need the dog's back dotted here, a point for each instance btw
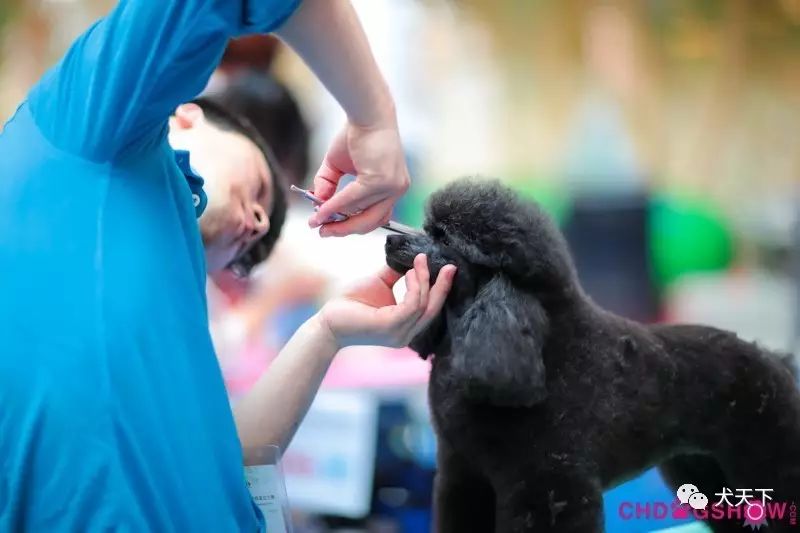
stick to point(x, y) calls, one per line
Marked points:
point(735, 381)
point(740, 410)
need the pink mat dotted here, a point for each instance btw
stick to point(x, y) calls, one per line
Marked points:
point(371, 366)
point(354, 367)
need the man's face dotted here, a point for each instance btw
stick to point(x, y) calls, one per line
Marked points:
point(238, 184)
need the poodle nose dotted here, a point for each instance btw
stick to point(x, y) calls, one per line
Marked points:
point(394, 242)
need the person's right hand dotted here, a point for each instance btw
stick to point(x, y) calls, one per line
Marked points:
point(374, 155)
point(369, 314)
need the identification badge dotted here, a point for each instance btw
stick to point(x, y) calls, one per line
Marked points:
point(267, 488)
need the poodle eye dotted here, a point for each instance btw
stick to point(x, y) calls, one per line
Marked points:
point(439, 235)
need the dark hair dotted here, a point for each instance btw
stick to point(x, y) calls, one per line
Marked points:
point(272, 110)
point(228, 120)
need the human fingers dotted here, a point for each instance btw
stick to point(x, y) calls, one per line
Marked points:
point(410, 303)
point(326, 180)
point(389, 276)
point(350, 200)
point(368, 220)
point(423, 278)
point(438, 294)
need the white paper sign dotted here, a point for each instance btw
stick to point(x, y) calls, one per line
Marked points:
point(266, 487)
point(330, 464)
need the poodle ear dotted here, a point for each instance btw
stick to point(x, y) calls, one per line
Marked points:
point(426, 342)
point(496, 352)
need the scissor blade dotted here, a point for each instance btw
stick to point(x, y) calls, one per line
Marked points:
point(402, 229)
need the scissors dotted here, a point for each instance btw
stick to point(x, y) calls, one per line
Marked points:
point(393, 226)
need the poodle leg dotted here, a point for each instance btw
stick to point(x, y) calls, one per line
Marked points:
point(559, 499)
point(763, 454)
point(748, 465)
point(778, 472)
point(704, 472)
point(464, 501)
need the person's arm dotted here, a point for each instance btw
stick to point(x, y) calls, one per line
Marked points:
point(274, 408)
point(328, 36)
point(271, 412)
point(121, 80)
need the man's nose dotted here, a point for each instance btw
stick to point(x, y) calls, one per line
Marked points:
point(260, 221)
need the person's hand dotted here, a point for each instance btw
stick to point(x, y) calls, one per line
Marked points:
point(374, 155)
point(369, 314)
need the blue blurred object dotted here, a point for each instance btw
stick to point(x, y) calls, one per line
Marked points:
point(403, 486)
point(694, 527)
point(647, 488)
point(415, 521)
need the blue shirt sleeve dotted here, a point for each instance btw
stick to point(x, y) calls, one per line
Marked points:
point(120, 81)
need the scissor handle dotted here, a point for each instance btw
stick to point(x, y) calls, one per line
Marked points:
point(339, 217)
point(308, 195)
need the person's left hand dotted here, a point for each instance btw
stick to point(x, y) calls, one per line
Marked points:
point(369, 314)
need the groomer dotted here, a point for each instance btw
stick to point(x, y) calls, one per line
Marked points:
point(113, 414)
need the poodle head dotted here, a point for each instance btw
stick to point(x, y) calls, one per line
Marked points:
point(512, 265)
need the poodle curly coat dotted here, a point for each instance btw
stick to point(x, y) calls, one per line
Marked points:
point(541, 400)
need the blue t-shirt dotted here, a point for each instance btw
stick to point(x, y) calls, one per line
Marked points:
point(113, 412)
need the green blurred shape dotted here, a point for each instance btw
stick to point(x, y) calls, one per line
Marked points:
point(544, 192)
point(687, 235)
point(410, 209)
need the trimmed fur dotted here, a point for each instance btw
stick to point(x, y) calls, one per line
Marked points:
point(541, 400)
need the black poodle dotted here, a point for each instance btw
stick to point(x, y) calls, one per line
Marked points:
point(541, 400)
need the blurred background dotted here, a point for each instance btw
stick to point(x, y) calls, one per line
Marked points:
point(663, 135)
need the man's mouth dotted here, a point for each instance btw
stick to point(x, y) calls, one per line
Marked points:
point(242, 245)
